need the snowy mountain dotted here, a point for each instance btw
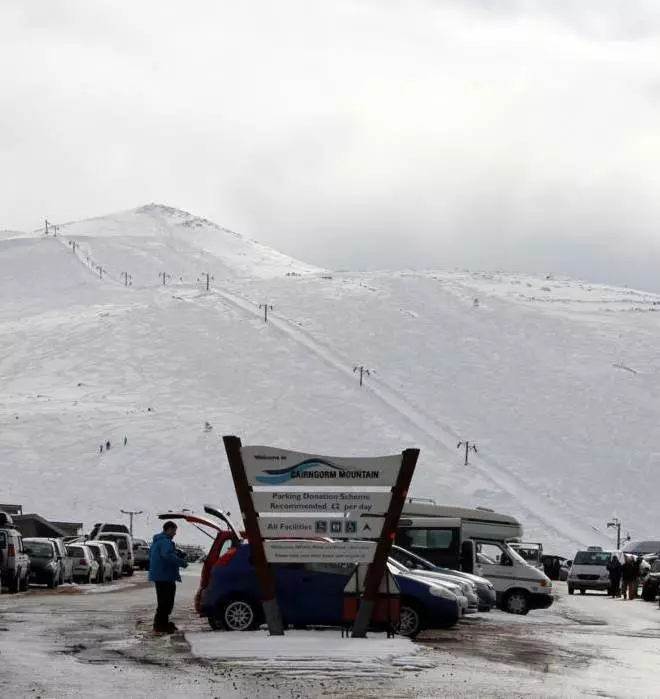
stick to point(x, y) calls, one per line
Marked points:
point(556, 381)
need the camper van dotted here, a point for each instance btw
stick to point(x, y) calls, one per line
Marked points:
point(475, 540)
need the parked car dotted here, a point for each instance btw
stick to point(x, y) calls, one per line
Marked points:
point(651, 584)
point(125, 545)
point(65, 562)
point(487, 597)
point(45, 564)
point(313, 594)
point(114, 556)
point(14, 562)
point(464, 590)
point(310, 593)
point(100, 527)
point(85, 566)
point(141, 554)
point(589, 571)
point(106, 566)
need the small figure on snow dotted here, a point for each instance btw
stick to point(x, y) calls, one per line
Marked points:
point(125, 440)
point(207, 427)
point(107, 445)
point(101, 449)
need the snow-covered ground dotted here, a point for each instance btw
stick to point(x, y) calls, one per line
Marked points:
point(54, 644)
point(555, 380)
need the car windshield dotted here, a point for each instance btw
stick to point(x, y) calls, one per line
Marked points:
point(410, 560)
point(39, 549)
point(592, 558)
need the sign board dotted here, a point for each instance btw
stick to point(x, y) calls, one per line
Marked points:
point(266, 466)
point(332, 527)
point(292, 551)
point(325, 502)
point(296, 474)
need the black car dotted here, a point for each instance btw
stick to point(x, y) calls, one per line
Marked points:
point(44, 563)
point(651, 584)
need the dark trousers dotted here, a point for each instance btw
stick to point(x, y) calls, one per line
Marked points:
point(615, 583)
point(165, 592)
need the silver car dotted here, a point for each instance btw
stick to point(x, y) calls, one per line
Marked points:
point(114, 556)
point(101, 556)
point(85, 566)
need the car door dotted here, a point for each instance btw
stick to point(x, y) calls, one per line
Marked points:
point(496, 565)
point(322, 591)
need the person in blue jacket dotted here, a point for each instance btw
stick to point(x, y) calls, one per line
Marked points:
point(164, 564)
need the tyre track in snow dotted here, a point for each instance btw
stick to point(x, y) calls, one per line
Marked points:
point(539, 509)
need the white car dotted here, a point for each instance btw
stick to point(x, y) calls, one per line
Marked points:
point(125, 545)
point(105, 570)
point(114, 556)
point(85, 566)
point(463, 589)
point(450, 587)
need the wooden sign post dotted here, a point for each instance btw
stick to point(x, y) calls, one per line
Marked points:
point(337, 527)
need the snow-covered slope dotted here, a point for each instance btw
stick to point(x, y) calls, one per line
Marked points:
point(152, 239)
point(554, 380)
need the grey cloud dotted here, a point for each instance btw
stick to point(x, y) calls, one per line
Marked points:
point(353, 134)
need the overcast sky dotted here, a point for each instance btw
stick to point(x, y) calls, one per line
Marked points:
point(349, 133)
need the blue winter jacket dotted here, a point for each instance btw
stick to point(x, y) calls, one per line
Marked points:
point(164, 564)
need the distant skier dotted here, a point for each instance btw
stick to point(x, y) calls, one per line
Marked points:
point(101, 449)
point(125, 440)
point(107, 445)
point(207, 427)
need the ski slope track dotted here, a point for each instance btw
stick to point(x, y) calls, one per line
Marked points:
point(534, 505)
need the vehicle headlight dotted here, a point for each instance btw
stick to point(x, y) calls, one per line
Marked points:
point(545, 583)
point(442, 592)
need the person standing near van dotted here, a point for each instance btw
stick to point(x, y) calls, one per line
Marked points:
point(164, 567)
point(627, 577)
point(614, 569)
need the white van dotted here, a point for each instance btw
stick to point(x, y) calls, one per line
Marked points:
point(440, 534)
point(519, 585)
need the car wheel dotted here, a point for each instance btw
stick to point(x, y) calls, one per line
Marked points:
point(571, 589)
point(240, 615)
point(516, 602)
point(13, 584)
point(410, 620)
point(583, 591)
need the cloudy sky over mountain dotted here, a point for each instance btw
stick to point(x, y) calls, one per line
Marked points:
point(349, 133)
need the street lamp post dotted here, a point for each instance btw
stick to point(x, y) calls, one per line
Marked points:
point(130, 514)
point(615, 523)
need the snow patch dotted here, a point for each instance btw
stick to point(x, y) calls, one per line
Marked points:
point(317, 653)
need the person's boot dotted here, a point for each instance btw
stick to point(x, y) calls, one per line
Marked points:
point(172, 627)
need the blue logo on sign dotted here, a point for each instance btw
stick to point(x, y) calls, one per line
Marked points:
point(315, 469)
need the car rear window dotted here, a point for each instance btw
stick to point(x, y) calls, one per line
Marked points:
point(75, 551)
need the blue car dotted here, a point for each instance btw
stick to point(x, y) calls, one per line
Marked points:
point(311, 594)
